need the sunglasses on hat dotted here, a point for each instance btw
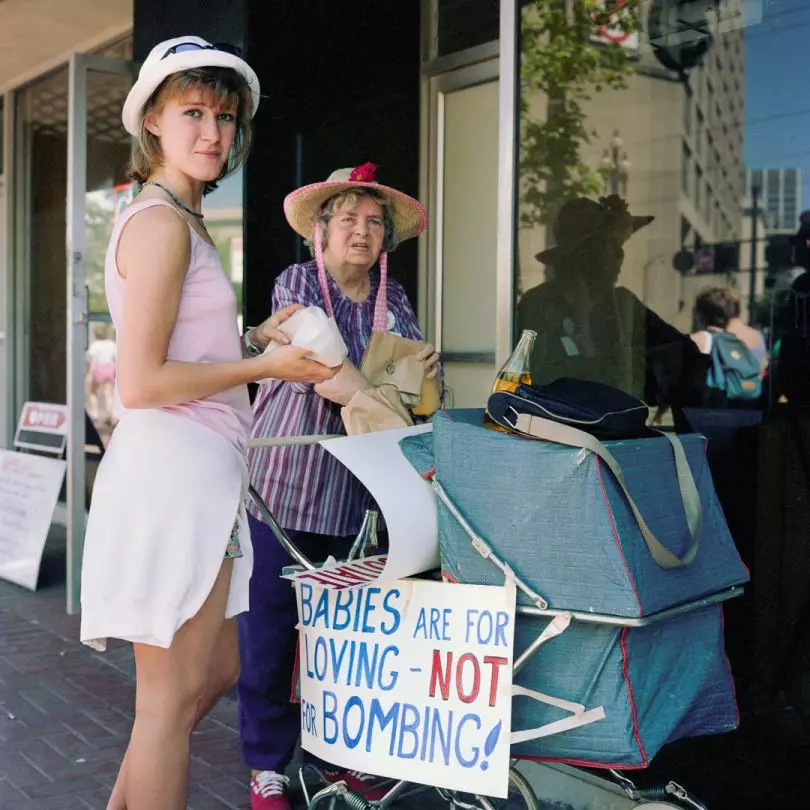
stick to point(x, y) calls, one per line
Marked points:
point(183, 47)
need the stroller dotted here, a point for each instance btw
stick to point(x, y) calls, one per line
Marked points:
point(613, 659)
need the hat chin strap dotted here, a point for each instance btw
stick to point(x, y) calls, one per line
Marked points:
point(380, 305)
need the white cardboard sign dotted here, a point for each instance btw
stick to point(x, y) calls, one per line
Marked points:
point(29, 488)
point(409, 679)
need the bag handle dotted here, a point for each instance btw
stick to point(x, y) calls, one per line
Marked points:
point(546, 429)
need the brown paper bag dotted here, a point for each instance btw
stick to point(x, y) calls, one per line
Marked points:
point(391, 360)
point(373, 409)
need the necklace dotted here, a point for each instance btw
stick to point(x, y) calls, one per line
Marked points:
point(177, 201)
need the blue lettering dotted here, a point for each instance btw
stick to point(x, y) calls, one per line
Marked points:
point(329, 717)
point(470, 613)
point(467, 763)
point(308, 718)
point(394, 611)
point(500, 628)
point(320, 646)
point(443, 736)
point(410, 727)
point(351, 741)
point(392, 681)
point(421, 624)
point(445, 621)
point(375, 714)
point(369, 609)
point(337, 658)
point(365, 665)
point(340, 608)
point(322, 610)
point(434, 622)
point(310, 674)
point(306, 603)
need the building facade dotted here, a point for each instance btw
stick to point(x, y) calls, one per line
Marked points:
point(471, 105)
point(780, 191)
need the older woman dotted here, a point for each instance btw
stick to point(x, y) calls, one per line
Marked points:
point(351, 223)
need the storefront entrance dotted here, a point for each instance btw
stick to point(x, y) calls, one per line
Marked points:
point(69, 146)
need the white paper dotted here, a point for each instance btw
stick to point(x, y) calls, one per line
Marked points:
point(29, 488)
point(405, 499)
point(410, 679)
point(311, 328)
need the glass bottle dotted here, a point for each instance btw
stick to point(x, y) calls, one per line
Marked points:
point(517, 370)
point(366, 538)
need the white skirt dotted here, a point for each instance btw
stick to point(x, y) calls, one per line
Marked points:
point(164, 502)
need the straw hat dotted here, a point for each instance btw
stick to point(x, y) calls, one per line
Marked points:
point(581, 220)
point(302, 205)
point(174, 56)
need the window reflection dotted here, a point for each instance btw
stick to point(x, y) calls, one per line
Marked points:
point(642, 129)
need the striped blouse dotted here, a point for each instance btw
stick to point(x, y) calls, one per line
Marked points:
point(306, 488)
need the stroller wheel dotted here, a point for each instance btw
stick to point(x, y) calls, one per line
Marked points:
point(521, 797)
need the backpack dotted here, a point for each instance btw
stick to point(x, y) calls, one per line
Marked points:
point(734, 368)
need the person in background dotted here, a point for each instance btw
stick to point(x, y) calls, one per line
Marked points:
point(717, 309)
point(101, 376)
point(351, 224)
point(167, 552)
point(590, 328)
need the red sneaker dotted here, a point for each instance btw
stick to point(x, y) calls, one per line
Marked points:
point(268, 791)
point(372, 788)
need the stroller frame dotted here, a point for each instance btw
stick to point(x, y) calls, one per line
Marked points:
point(332, 791)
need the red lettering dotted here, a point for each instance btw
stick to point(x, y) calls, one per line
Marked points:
point(470, 696)
point(442, 677)
point(496, 662)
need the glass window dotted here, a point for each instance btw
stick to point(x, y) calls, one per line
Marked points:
point(686, 173)
point(612, 185)
point(464, 24)
point(224, 221)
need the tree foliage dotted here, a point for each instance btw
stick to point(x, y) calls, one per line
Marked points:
point(562, 62)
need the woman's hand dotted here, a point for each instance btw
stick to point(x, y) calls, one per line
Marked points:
point(290, 363)
point(344, 385)
point(430, 357)
point(269, 330)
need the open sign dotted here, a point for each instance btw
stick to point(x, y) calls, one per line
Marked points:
point(42, 426)
point(40, 416)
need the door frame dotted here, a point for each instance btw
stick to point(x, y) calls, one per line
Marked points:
point(435, 90)
point(440, 75)
point(78, 320)
point(6, 283)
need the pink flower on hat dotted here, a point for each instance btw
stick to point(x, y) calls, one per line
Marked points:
point(364, 173)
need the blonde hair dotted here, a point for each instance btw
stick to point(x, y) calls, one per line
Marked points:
point(219, 86)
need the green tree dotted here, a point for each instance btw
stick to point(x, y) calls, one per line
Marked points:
point(561, 61)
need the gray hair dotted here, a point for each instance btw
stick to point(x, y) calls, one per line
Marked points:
point(348, 199)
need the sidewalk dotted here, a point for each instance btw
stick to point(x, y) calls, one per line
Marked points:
point(66, 711)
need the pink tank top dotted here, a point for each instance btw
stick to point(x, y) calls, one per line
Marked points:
point(206, 330)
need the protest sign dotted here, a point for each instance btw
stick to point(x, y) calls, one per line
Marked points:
point(409, 679)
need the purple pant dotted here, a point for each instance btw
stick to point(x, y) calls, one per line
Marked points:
point(269, 723)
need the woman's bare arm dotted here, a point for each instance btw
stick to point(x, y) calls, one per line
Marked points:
point(153, 256)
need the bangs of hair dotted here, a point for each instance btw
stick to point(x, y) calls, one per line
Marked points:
point(218, 87)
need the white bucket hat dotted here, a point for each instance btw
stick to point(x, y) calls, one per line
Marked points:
point(176, 55)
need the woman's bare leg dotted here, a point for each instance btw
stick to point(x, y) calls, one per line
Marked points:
point(171, 688)
point(223, 674)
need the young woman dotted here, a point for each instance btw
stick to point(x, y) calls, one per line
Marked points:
point(167, 555)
